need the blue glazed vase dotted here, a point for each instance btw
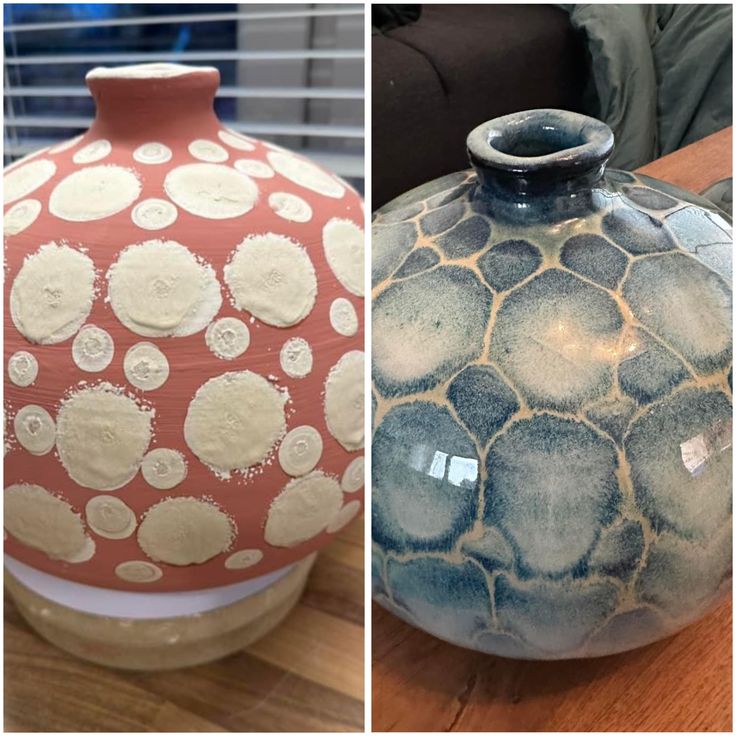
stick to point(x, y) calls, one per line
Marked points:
point(551, 397)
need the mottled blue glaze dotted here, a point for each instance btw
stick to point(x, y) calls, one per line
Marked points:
point(551, 398)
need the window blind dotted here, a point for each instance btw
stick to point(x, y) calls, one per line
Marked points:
point(291, 74)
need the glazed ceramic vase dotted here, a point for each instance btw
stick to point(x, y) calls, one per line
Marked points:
point(184, 375)
point(551, 397)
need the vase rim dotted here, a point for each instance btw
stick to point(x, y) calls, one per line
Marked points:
point(156, 70)
point(550, 142)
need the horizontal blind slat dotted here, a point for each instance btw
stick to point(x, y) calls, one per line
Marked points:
point(314, 93)
point(136, 58)
point(183, 18)
point(309, 129)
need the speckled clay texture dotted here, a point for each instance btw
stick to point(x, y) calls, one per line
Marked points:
point(119, 311)
point(552, 415)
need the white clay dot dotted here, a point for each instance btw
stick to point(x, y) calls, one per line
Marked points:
point(95, 151)
point(290, 207)
point(110, 517)
point(20, 182)
point(66, 145)
point(35, 429)
point(302, 509)
point(185, 531)
point(354, 476)
point(344, 246)
point(235, 140)
point(305, 174)
point(243, 558)
point(154, 214)
point(152, 153)
point(344, 397)
point(300, 450)
point(92, 349)
point(213, 191)
point(145, 366)
point(159, 288)
point(43, 521)
point(94, 193)
point(21, 216)
point(52, 294)
point(163, 468)
point(208, 151)
point(344, 516)
point(22, 368)
point(234, 421)
point(138, 571)
point(255, 168)
point(228, 338)
point(343, 317)
point(272, 277)
point(102, 436)
point(296, 357)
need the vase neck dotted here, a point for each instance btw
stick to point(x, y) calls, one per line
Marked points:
point(153, 101)
point(539, 156)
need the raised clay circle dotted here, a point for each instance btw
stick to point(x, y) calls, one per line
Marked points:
point(343, 317)
point(94, 193)
point(95, 151)
point(243, 558)
point(272, 277)
point(305, 174)
point(185, 531)
point(154, 214)
point(353, 478)
point(22, 368)
point(228, 338)
point(255, 168)
point(235, 140)
point(138, 571)
point(21, 216)
point(344, 516)
point(52, 294)
point(43, 521)
point(102, 436)
point(152, 153)
point(208, 151)
point(212, 191)
point(20, 182)
point(290, 207)
point(159, 288)
point(296, 357)
point(66, 145)
point(109, 517)
point(344, 245)
point(145, 366)
point(234, 421)
point(300, 450)
point(34, 429)
point(303, 509)
point(93, 349)
point(164, 468)
point(344, 395)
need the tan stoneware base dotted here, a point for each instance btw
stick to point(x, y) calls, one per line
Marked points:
point(165, 643)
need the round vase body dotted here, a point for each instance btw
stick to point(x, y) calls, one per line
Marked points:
point(183, 347)
point(551, 397)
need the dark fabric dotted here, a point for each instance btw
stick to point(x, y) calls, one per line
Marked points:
point(387, 17)
point(456, 67)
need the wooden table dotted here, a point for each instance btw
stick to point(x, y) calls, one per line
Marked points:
point(305, 676)
point(681, 684)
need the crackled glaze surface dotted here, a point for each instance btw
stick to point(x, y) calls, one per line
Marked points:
point(552, 416)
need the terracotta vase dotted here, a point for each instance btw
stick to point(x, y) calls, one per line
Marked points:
point(552, 380)
point(184, 381)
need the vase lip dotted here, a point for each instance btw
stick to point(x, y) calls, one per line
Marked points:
point(156, 70)
point(547, 142)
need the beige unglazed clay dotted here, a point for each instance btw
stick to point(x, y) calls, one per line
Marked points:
point(35, 429)
point(22, 368)
point(93, 349)
point(235, 141)
point(164, 468)
point(255, 168)
point(343, 317)
point(20, 216)
point(20, 182)
point(243, 558)
point(228, 338)
point(92, 152)
point(234, 421)
point(110, 517)
point(272, 277)
point(300, 450)
point(52, 294)
point(296, 357)
point(302, 509)
point(353, 478)
point(138, 571)
point(185, 531)
point(305, 174)
point(145, 366)
point(344, 245)
point(213, 191)
point(152, 153)
point(154, 214)
point(94, 193)
point(159, 288)
point(102, 436)
point(210, 151)
point(290, 207)
point(43, 521)
point(344, 396)
point(344, 516)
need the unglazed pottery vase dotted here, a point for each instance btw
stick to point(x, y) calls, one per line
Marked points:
point(551, 397)
point(184, 376)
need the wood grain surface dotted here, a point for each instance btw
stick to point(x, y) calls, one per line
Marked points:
point(681, 684)
point(307, 675)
